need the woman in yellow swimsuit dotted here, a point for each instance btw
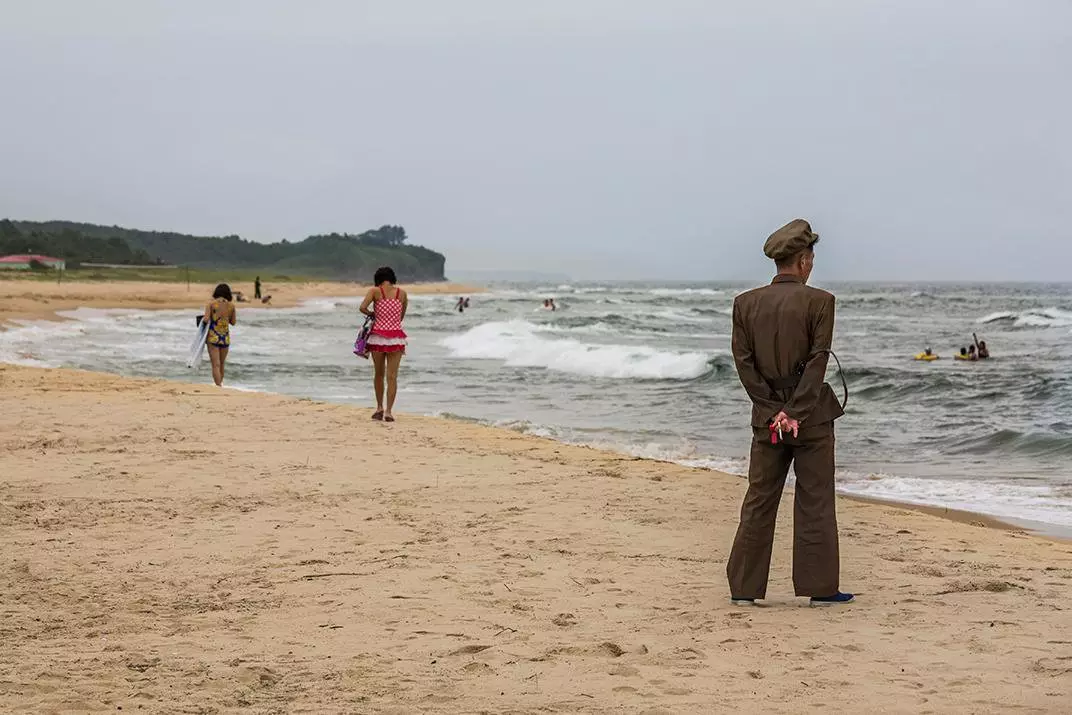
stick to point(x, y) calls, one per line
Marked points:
point(220, 316)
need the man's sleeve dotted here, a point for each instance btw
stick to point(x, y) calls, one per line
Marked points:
point(806, 395)
point(744, 357)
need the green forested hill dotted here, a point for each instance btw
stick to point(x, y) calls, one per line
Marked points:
point(342, 256)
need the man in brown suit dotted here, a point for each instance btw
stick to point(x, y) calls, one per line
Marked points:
point(781, 338)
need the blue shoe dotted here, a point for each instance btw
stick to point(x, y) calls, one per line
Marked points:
point(837, 598)
point(742, 601)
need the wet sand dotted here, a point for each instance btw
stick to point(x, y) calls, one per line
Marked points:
point(36, 300)
point(182, 548)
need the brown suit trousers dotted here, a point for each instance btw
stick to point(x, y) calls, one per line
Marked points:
point(815, 537)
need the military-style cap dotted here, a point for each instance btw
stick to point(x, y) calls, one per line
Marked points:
point(790, 240)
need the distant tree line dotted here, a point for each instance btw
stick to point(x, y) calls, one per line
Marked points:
point(336, 255)
point(68, 244)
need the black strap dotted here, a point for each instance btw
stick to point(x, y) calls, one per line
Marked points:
point(784, 383)
point(840, 372)
point(790, 382)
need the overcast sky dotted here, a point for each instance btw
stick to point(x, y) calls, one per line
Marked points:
point(595, 138)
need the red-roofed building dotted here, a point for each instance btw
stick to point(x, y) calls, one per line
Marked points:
point(22, 263)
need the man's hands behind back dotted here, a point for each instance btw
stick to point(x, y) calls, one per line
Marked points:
point(785, 423)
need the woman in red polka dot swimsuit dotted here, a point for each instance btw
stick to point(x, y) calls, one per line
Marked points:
point(387, 341)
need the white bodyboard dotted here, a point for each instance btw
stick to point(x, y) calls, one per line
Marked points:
point(197, 347)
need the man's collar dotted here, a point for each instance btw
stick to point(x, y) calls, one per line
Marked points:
point(786, 278)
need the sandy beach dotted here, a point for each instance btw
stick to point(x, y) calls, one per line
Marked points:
point(33, 299)
point(315, 561)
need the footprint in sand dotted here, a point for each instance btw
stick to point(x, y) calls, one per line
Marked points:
point(564, 620)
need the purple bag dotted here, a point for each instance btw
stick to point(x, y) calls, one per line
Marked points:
point(361, 343)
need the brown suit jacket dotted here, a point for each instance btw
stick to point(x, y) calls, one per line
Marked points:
point(774, 328)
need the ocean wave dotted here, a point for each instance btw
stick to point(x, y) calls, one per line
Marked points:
point(1010, 441)
point(866, 299)
point(585, 327)
point(326, 305)
point(687, 315)
point(518, 344)
point(660, 448)
point(1038, 503)
point(1033, 318)
point(595, 326)
point(685, 291)
point(24, 359)
point(921, 387)
point(622, 324)
point(1047, 504)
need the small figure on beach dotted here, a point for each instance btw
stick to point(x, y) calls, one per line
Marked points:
point(387, 303)
point(266, 300)
point(221, 315)
point(781, 341)
point(257, 287)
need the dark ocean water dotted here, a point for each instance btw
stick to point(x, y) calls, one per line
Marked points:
point(646, 369)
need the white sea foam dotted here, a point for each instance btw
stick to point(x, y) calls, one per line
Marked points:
point(1044, 504)
point(1030, 502)
point(591, 329)
point(1016, 501)
point(98, 338)
point(681, 316)
point(320, 305)
point(1033, 318)
point(518, 344)
point(1035, 503)
point(685, 291)
point(243, 388)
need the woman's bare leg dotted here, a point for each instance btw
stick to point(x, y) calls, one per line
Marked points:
point(379, 361)
point(393, 361)
point(217, 365)
point(223, 362)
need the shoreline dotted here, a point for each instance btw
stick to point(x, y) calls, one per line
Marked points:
point(131, 295)
point(315, 559)
point(1038, 529)
point(23, 299)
